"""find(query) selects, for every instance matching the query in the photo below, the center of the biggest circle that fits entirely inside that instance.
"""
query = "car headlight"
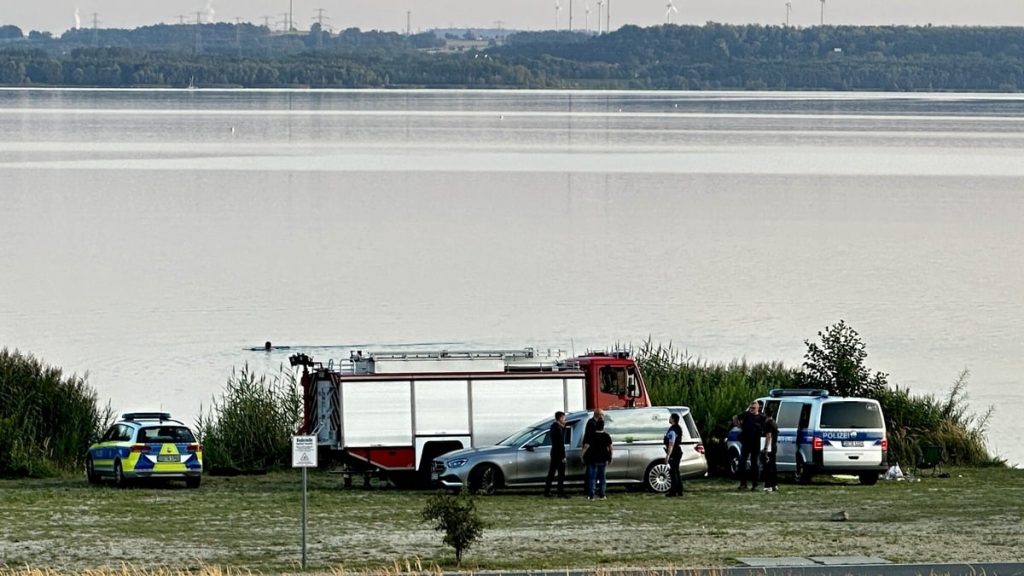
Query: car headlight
(457, 463)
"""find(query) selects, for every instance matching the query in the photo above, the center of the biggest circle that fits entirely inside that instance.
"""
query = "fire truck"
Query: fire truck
(389, 414)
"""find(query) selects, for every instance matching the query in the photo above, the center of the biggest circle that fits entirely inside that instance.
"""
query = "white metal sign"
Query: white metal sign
(303, 451)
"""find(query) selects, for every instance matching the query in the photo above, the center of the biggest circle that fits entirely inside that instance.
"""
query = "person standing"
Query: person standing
(597, 454)
(598, 417)
(674, 455)
(557, 465)
(770, 452)
(751, 425)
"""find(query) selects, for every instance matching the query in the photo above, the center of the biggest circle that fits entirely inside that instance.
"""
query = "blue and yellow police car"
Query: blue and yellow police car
(146, 445)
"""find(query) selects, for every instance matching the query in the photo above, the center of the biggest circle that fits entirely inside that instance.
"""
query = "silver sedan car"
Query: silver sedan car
(522, 459)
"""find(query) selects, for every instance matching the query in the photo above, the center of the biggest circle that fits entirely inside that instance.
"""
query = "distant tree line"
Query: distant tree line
(713, 56)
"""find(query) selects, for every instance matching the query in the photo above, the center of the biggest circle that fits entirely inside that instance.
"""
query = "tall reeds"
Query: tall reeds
(249, 428)
(47, 420)
(714, 392)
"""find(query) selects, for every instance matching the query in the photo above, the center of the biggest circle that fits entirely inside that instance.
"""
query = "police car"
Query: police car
(146, 445)
(823, 434)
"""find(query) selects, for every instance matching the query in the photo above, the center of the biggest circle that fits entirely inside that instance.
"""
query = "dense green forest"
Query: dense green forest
(713, 56)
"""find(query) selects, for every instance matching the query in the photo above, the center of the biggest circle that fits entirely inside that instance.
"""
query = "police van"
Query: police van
(822, 434)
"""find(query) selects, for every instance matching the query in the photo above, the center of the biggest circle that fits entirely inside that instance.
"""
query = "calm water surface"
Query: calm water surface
(150, 237)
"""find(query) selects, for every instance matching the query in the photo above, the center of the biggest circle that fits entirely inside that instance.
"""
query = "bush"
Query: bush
(47, 420)
(249, 428)
(457, 517)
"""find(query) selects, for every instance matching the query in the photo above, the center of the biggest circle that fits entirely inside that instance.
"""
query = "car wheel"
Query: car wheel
(802, 475)
(734, 464)
(657, 477)
(869, 478)
(485, 479)
(119, 480)
(193, 481)
(90, 472)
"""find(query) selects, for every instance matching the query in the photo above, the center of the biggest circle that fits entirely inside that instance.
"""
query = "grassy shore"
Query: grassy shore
(252, 523)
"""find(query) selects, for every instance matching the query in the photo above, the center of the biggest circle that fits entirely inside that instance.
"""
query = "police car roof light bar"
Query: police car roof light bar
(130, 416)
(814, 392)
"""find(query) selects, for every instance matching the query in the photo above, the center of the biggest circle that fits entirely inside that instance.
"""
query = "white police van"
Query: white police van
(822, 434)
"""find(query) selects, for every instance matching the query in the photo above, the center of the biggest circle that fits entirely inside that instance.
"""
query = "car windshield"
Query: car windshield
(851, 415)
(520, 437)
(157, 434)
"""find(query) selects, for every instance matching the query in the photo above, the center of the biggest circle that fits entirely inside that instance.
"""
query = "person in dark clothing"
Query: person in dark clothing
(771, 450)
(597, 454)
(674, 454)
(598, 417)
(557, 465)
(751, 425)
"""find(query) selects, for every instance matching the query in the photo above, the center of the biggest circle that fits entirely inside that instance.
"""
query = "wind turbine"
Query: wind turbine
(789, 10)
(586, 9)
(672, 8)
(600, 5)
(558, 14)
(822, 12)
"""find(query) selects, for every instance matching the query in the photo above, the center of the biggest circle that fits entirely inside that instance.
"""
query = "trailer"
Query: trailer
(389, 414)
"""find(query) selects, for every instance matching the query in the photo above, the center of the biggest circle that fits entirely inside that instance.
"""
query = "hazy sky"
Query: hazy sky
(59, 15)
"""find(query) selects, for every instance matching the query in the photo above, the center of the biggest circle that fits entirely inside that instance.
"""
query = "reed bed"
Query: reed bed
(47, 419)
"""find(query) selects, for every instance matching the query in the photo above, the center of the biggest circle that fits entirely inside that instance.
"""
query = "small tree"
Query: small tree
(837, 365)
(457, 517)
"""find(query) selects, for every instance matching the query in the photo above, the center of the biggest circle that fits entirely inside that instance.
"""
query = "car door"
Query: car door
(532, 460)
(575, 469)
(104, 451)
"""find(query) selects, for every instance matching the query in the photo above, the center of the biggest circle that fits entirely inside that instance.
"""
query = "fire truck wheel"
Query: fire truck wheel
(485, 479)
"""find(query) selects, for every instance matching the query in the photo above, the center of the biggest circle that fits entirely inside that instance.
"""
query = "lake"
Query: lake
(151, 237)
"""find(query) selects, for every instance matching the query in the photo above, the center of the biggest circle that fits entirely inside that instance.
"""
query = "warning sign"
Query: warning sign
(303, 451)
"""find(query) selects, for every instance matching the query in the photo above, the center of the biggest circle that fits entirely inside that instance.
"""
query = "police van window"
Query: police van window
(613, 380)
(771, 408)
(111, 434)
(789, 415)
(124, 433)
(851, 415)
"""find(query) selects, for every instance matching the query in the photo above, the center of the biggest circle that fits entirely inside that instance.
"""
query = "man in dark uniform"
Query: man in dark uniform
(674, 454)
(557, 464)
(751, 425)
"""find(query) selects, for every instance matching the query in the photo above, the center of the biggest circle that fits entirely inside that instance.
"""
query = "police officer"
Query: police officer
(674, 454)
(751, 425)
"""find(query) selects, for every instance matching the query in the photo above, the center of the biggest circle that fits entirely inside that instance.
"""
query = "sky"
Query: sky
(58, 15)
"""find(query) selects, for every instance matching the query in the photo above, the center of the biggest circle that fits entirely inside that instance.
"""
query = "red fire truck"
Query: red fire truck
(391, 413)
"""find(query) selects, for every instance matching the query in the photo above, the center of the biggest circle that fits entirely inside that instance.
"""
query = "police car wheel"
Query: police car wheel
(802, 474)
(869, 478)
(119, 480)
(734, 463)
(90, 472)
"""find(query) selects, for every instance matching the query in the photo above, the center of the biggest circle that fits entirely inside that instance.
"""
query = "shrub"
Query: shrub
(250, 427)
(457, 517)
(47, 420)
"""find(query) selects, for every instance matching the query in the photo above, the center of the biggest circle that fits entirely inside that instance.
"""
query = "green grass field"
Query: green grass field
(252, 523)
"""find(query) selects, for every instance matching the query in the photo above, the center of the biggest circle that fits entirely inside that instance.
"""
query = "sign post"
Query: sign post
(304, 456)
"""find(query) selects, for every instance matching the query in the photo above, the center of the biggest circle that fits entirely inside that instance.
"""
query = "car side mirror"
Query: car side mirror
(530, 447)
(632, 390)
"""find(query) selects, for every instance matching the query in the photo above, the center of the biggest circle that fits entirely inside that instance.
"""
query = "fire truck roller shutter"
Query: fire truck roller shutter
(377, 413)
(502, 406)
